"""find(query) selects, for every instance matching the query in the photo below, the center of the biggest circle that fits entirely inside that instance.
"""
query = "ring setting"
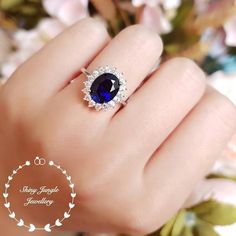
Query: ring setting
(104, 88)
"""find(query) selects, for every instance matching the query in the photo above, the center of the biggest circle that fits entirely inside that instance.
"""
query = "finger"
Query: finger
(188, 153)
(134, 52)
(49, 70)
(158, 107)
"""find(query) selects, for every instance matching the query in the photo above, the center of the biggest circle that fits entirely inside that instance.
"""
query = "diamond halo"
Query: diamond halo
(120, 97)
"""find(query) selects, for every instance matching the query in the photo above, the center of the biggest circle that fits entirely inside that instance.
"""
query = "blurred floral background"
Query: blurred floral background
(203, 30)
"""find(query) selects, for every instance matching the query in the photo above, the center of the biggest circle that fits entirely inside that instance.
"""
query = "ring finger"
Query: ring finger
(134, 52)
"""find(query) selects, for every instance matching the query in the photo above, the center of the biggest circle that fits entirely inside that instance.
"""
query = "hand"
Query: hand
(135, 166)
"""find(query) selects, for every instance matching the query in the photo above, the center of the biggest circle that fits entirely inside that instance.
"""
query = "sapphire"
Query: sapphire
(104, 88)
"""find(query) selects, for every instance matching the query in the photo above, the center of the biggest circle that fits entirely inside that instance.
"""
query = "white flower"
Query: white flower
(27, 39)
(151, 3)
(230, 30)
(221, 190)
(215, 39)
(226, 165)
(167, 4)
(171, 4)
(49, 28)
(52, 6)
(224, 83)
(28, 42)
(226, 230)
(14, 60)
(67, 11)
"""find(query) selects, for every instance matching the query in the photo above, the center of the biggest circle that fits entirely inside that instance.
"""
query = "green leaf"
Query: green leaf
(204, 229)
(28, 10)
(175, 225)
(211, 65)
(156, 233)
(179, 224)
(8, 4)
(183, 13)
(172, 48)
(167, 229)
(216, 213)
(187, 231)
(221, 176)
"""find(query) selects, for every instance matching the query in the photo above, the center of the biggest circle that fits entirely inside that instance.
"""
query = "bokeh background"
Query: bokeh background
(203, 30)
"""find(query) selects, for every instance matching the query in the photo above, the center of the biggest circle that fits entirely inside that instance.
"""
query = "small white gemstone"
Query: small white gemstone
(90, 78)
(101, 69)
(112, 103)
(98, 107)
(123, 97)
(117, 74)
(113, 70)
(87, 84)
(107, 68)
(105, 106)
(117, 99)
(122, 88)
(85, 90)
(95, 73)
(122, 81)
(87, 98)
(91, 104)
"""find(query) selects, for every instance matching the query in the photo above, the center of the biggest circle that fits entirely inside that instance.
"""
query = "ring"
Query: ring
(104, 88)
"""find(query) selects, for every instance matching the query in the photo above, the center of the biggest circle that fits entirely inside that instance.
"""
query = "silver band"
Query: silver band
(85, 72)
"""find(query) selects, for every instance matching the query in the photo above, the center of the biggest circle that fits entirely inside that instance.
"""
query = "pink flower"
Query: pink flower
(67, 11)
(153, 17)
(230, 29)
(202, 5)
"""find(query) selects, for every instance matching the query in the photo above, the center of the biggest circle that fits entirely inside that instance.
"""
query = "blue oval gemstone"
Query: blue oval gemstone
(104, 88)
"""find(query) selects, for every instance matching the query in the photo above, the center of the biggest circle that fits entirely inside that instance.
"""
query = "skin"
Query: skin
(133, 166)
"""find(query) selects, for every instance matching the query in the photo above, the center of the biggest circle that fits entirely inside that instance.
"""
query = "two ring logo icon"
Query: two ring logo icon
(39, 161)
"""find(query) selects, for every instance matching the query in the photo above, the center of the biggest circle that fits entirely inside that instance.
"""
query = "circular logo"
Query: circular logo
(39, 162)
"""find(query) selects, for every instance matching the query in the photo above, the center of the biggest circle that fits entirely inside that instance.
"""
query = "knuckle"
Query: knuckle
(191, 77)
(222, 108)
(90, 25)
(144, 37)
